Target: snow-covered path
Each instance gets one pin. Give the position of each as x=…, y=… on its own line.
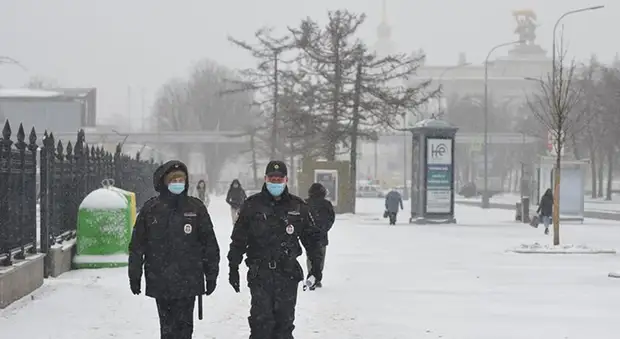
x=381, y=282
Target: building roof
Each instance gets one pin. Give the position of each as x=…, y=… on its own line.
x=59, y=93
x=27, y=93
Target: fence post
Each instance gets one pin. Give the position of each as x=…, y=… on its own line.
x=69, y=188
x=118, y=167
x=21, y=192
x=32, y=197
x=57, y=205
x=47, y=155
x=92, y=169
x=5, y=172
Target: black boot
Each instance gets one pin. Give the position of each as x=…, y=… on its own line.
x=546, y=231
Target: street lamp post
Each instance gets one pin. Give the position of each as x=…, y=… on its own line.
x=485, y=194
x=555, y=28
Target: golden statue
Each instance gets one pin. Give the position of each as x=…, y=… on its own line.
x=526, y=25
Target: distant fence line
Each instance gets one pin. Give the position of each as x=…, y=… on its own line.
x=47, y=183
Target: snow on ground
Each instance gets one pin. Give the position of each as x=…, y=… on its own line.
x=537, y=248
x=381, y=282
x=593, y=205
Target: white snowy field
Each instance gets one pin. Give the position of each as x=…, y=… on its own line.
x=381, y=282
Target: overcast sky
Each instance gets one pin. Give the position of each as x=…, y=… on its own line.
x=116, y=44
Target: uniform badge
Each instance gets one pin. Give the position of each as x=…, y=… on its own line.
x=290, y=229
x=187, y=228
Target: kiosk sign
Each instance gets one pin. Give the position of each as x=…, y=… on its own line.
x=439, y=175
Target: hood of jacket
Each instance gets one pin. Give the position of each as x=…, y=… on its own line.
x=235, y=181
x=161, y=171
x=317, y=191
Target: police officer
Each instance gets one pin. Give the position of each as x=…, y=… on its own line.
x=173, y=239
x=268, y=231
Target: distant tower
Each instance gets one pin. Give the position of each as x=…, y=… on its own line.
x=384, y=45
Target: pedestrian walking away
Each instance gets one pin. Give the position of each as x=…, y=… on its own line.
x=545, y=209
x=270, y=226
x=203, y=195
x=323, y=214
x=173, y=241
x=393, y=201
x=235, y=198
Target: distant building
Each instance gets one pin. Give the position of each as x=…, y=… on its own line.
x=55, y=110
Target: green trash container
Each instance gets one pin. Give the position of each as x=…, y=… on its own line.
x=131, y=200
x=103, y=230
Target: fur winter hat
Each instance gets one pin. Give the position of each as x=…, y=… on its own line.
x=176, y=174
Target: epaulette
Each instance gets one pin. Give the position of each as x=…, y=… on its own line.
x=194, y=200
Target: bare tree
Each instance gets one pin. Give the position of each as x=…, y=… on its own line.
x=264, y=79
x=380, y=96
x=197, y=104
x=588, y=82
x=607, y=104
x=171, y=111
x=555, y=108
x=331, y=57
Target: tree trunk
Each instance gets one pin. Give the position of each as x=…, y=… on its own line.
x=610, y=172
x=601, y=172
x=576, y=152
x=292, y=175
x=556, y=197
x=593, y=172
x=254, y=161
x=274, y=122
x=510, y=180
x=354, y=130
x=332, y=136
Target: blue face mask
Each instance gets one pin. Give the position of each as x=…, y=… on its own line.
x=176, y=187
x=275, y=189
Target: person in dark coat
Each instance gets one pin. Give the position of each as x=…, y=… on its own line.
x=545, y=209
x=270, y=225
x=235, y=198
x=201, y=190
x=324, y=217
x=173, y=240
x=392, y=201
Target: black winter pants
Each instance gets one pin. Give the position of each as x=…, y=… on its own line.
x=272, y=314
x=176, y=318
x=392, y=216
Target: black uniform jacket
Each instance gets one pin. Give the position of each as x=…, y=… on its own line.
x=323, y=214
x=173, y=239
x=268, y=231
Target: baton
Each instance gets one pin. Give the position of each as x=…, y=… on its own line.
x=200, y=307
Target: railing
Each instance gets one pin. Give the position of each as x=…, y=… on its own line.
x=63, y=174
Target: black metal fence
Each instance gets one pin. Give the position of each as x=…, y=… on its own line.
x=41, y=187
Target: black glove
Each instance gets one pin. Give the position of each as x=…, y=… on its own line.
x=135, y=286
x=233, y=278
x=211, y=284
